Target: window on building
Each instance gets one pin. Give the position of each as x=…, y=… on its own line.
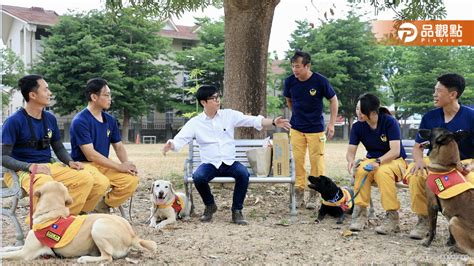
x=187, y=45
x=41, y=32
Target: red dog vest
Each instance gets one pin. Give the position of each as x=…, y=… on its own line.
x=447, y=185
x=58, y=233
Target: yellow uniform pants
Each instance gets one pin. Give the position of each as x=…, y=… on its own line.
x=315, y=143
x=385, y=177
x=79, y=183
x=122, y=185
x=417, y=185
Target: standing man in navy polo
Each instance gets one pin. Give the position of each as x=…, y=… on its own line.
x=304, y=92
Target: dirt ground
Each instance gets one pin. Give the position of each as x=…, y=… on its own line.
x=268, y=239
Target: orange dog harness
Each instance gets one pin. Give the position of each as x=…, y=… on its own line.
x=447, y=185
x=58, y=233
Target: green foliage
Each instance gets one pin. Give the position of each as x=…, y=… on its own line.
x=411, y=72
x=274, y=84
x=162, y=8
x=208, y=55
x=12, y=67
x=123, y=50
x=194, y=75
x=345, y=52
x=409, y=9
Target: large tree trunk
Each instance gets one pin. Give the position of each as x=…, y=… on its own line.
x=125, y=126
x=247, y=32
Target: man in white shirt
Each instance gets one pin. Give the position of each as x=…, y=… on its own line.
x=213, y=130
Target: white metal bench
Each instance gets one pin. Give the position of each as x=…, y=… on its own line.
x=241, y=145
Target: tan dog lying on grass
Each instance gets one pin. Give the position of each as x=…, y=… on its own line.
x=167, y=204
x=448, y=191
x=109, y=236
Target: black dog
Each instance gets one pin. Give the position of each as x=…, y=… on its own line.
x=336, y=201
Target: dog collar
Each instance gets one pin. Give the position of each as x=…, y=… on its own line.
x=447, y=184
x=177, y=204
x=344, y=202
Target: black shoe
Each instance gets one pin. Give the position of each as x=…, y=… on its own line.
x=238, y=218
x=208, y=212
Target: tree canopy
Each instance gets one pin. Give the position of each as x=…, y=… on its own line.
x=126, y=51
x=344, y=51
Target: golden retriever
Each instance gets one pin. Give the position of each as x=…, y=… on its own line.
x=101, y=237
x=167, y=204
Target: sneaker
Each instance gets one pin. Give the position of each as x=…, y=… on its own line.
x=421, y=228
x=311, y=203
x=238, y=218
x=359, y=219
x=390, y=224
x=102, y=207
x=208, y=212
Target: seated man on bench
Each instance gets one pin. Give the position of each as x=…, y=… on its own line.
x=27, y=136
x=214, y=132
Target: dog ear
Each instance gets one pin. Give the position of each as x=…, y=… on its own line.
x=461, y=134
x=425, y=133
x=172, y=189
x=152, y=189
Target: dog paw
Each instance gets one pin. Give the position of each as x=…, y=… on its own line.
x=83, y=259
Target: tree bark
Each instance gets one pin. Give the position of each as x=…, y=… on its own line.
x=247, y=32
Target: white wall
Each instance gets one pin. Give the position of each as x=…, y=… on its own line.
x=23, y=43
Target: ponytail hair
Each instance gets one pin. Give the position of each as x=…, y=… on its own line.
x=384, y=110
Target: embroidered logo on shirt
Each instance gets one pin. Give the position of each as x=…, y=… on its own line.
x=50, y=133
x=312, y=92
x=383, y=138
x=108, y=133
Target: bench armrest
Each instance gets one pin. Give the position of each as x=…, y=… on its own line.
x=15, y=189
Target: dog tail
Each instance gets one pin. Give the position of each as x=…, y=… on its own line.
x=144, y=244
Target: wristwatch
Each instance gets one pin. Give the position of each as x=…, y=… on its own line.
x=378, y=161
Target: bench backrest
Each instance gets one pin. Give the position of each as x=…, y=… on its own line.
x=408, y=146
x=241, y=147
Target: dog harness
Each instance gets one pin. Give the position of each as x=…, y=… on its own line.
x=448, y=184
x=177, y=204
x=58, y=233
x=344, y=202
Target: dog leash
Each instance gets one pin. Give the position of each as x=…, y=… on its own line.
x=368, y=168
x=32, y=181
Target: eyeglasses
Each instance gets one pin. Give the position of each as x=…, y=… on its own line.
x=216, y=98
x=106, y=95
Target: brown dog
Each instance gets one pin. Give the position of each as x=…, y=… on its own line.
x=448, y=191
x=109, y=236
